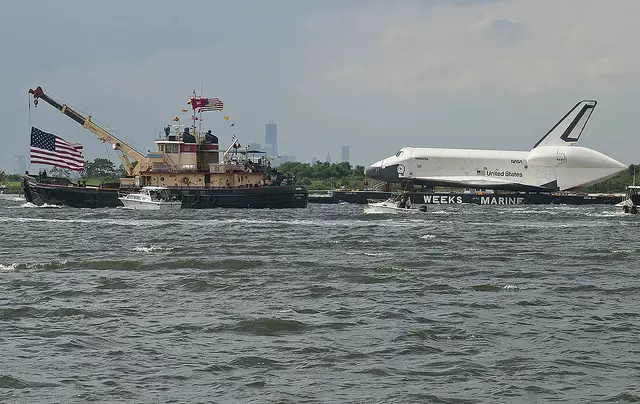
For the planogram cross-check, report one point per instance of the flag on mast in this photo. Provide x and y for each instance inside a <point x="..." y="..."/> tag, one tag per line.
<point x="47" y="148"/>
<point x="207" y="104"/>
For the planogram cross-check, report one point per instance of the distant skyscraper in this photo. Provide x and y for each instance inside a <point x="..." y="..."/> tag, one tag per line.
<point x="314" y="161"/>
<point x="19" y="164"/>
<point x="345" y="154"/>
<point x="328" y="158"/>
<point x="271" y="138"/>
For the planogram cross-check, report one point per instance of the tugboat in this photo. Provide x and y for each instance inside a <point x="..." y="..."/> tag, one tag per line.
<point x="187" y="163"/>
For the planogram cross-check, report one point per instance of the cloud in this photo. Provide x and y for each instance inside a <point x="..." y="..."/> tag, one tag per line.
<point x="519" y="47"/>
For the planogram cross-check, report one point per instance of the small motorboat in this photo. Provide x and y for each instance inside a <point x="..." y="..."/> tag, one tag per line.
<point x="631" y="203"/>
<point x="393" y="205"/>
<point x="151" y="198"/>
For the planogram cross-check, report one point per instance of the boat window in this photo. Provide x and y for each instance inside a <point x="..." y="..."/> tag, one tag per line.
<point x="161" y="147"/>
<point x="398" y="154"/>
<point x="171" y="148"/>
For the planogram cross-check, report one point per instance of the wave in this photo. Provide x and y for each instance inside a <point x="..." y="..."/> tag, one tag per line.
<point x="45" y="206"/>
<point x="10" y="382"/>
<point x="496" y="288"/>
<point x="16" y="313"/>
<point x="152" y="248"/>
<point x="38" y="266"/>
<point x="270" y="326"/>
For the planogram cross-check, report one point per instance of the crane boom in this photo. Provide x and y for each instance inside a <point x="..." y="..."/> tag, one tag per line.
<point x="102" y="134"/>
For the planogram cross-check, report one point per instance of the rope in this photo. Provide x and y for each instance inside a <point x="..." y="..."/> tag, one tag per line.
<point x="97" y="122"/>
<point x="29" y="106"/>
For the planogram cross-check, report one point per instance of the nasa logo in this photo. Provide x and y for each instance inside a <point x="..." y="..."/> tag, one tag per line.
<point x="400" y="169"/>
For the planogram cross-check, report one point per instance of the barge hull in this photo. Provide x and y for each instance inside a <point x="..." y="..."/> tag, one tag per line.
<point x="453" y="198"/>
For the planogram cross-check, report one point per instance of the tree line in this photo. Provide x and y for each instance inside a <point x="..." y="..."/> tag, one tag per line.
<point x="323" y="175"/>
<point x="99" y="169"/>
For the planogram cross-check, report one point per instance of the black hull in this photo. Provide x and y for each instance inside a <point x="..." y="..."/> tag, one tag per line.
<point x="274" y="197"/>
<point x="59" y="191"/>
<point x="452" y="198"/>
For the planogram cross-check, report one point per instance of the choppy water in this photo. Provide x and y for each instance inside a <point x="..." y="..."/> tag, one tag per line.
<point x="466" y="304"/>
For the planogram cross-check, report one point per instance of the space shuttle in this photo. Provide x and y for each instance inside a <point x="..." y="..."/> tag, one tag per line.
<point x="554" y="163"/>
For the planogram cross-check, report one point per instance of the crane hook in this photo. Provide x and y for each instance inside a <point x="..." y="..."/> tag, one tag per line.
<point x="35" y="102"/>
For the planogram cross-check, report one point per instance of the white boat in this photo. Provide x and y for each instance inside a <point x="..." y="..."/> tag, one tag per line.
<point x="631" y="203"/>
<point x="392" y="206"/>
<point x="150" y="198"/>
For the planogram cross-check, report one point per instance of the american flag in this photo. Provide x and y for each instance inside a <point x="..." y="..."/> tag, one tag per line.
<point x="47" y="148"/>
<point x="211" y="104"/>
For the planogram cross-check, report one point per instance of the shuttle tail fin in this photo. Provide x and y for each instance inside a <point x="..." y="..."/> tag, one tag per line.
<point x="568" y="129"/>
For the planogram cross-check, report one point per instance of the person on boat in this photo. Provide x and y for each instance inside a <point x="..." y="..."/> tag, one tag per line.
<point x="403" y="201"/>
<point x="407" y="204"/>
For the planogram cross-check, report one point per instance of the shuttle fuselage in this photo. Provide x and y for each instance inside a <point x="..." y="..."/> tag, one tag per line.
<point x="553" y="164"/>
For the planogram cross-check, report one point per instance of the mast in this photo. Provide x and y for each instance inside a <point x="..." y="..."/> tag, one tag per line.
<point x="125" y="150"/>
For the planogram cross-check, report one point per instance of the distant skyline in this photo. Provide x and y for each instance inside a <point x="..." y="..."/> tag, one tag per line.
<point x="377" y="75"/>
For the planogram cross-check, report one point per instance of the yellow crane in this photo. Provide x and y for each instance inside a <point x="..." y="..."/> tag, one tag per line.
<point x="131" y="168"/>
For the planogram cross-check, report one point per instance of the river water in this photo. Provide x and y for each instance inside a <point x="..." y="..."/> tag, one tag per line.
<point x="463" y="304"/>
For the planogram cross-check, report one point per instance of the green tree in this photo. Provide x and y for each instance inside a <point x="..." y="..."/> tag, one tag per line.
<point x="100" y="168"/>
<point x="323" y="175"/>
<point x="3" y="177"/>
<point x="59" y="172"/>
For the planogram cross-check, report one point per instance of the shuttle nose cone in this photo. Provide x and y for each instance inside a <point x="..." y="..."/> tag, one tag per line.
<point x="621" y="166"/>
<point x="387" y="174"/>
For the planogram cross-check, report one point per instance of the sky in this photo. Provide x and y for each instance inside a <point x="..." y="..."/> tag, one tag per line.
<point x="374" y="75"/>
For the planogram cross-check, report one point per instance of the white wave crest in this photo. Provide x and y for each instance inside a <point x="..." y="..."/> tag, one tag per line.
<point x="152" y="248"/>
<point x="11" y="267"/>
<point x="33" y="265"/>
<point x="45" y="206"/>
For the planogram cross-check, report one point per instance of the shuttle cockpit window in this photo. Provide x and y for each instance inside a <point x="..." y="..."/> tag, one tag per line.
<point x="398" y="154"/>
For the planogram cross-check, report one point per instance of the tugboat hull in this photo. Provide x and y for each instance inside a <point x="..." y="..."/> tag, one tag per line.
<point x="273" y="197"/>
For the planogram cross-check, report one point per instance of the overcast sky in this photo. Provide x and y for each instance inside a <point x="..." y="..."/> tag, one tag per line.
<point x="374" y="75"/>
